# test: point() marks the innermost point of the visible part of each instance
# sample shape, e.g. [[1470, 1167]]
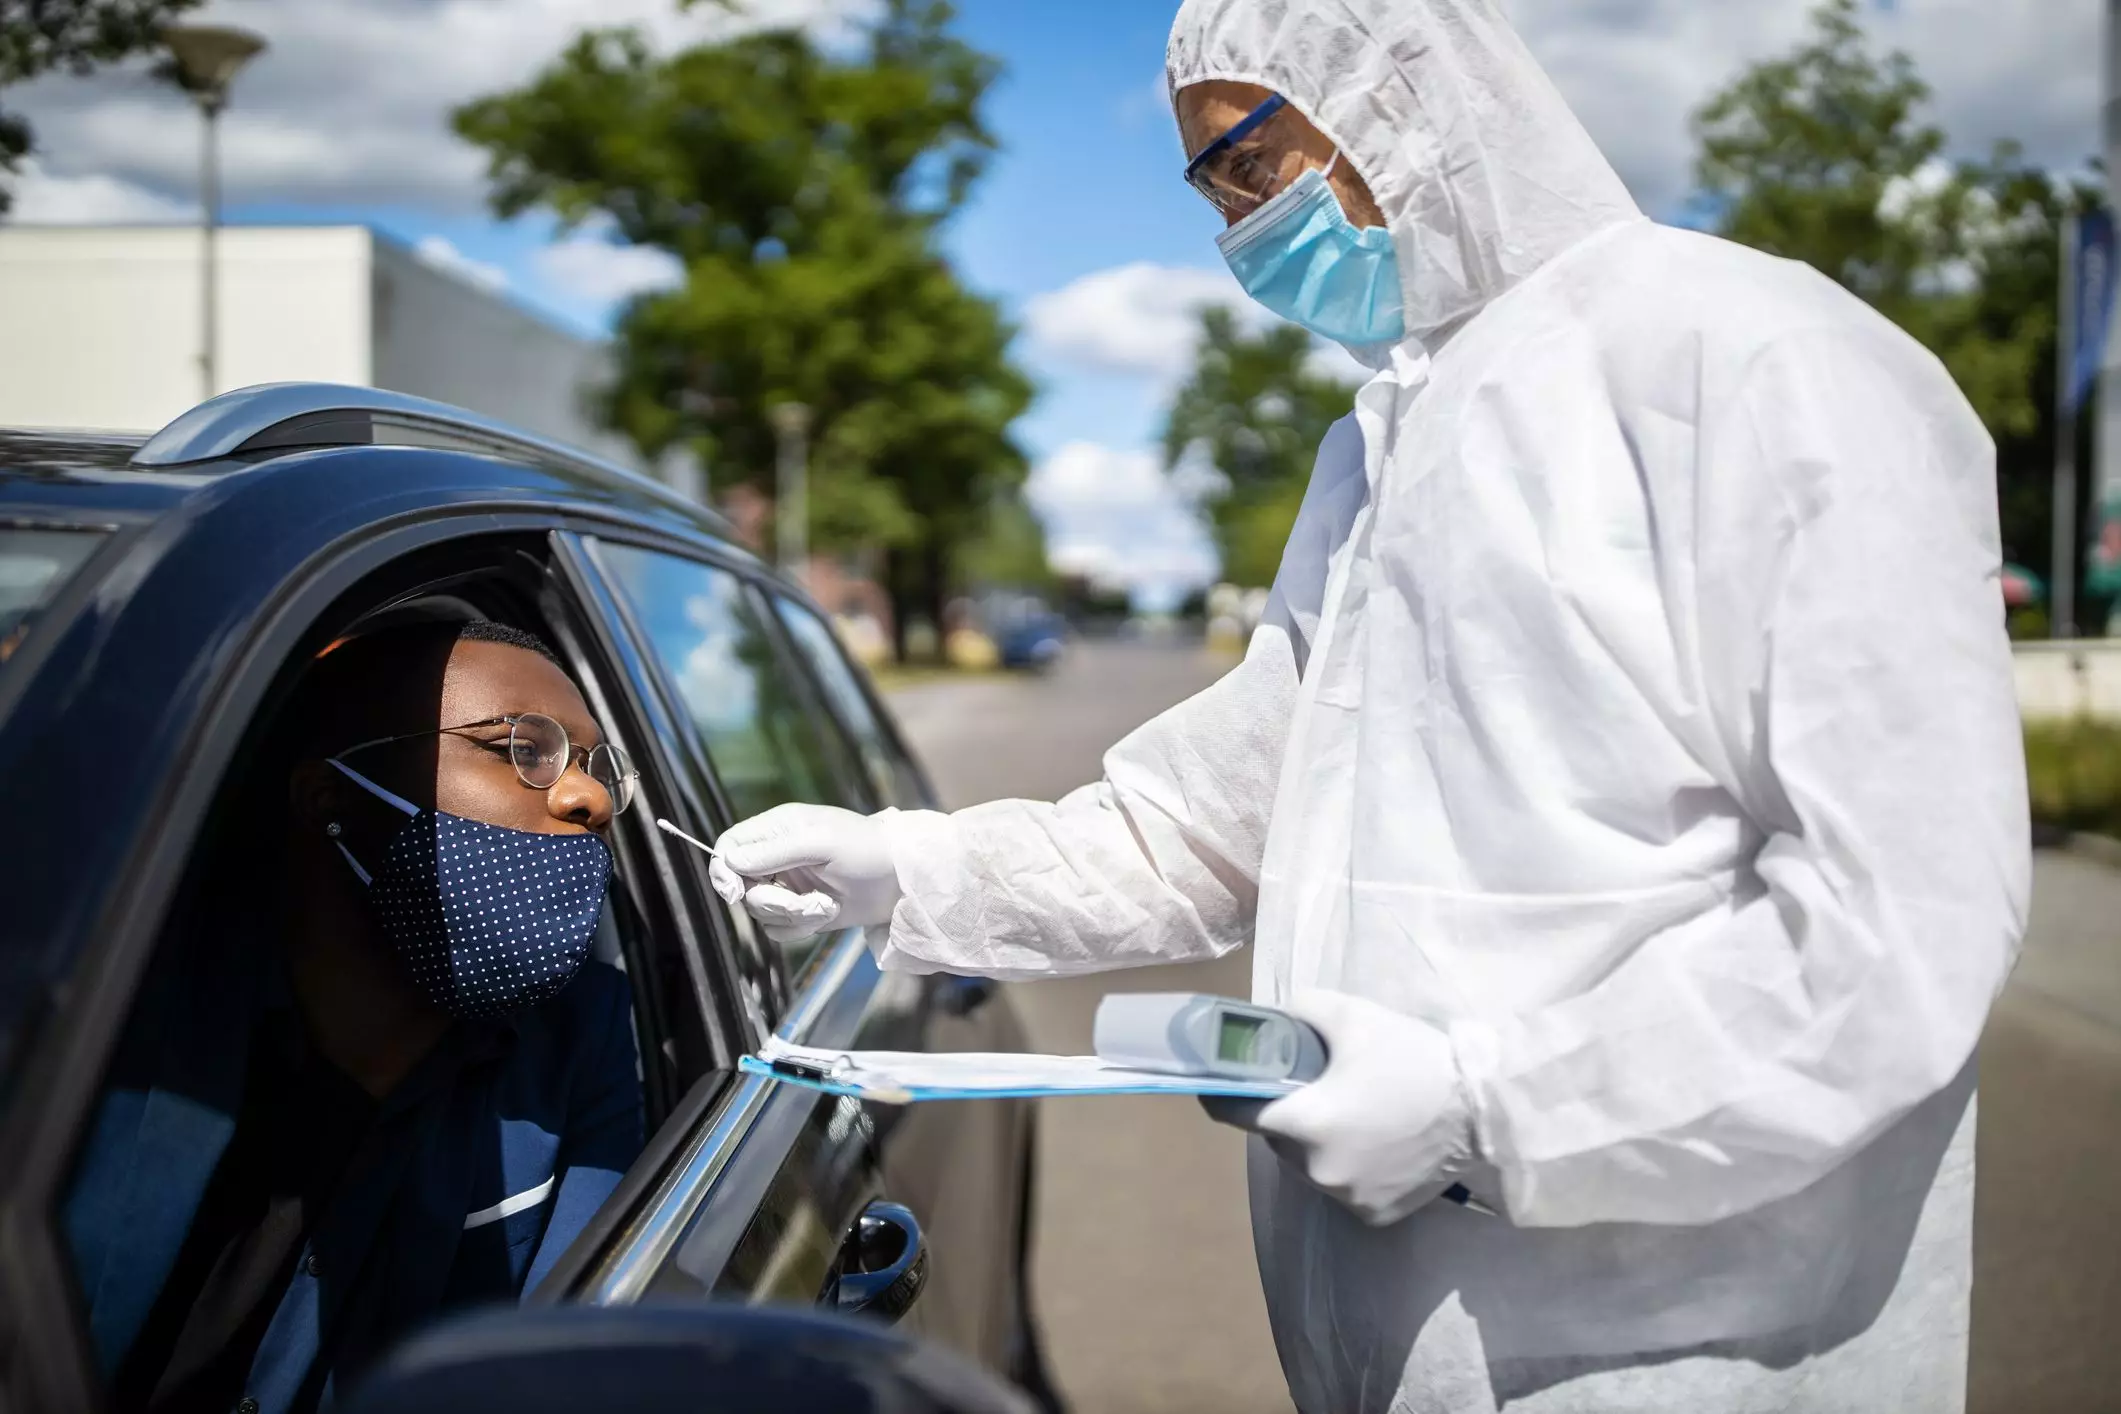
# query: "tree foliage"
[[1255, 411], [70, 36], [802, 189], [1008, 548], [1826, 155]]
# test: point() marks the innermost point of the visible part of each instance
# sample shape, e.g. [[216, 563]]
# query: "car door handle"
[[882, 1266]]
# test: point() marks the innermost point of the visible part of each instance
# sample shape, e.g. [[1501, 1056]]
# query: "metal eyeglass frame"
[[1242, 129], [622, 791]]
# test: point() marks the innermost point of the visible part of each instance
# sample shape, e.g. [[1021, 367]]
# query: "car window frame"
[[847, 778], [712, 958], [640, 1226], [62, 1078]]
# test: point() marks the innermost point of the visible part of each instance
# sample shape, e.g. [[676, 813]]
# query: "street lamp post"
[[208, 58], [791, 519]]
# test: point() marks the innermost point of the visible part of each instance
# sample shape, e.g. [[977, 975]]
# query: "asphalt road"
[[1144, 1269]]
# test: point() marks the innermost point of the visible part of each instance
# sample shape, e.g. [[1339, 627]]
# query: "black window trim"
[[716, 985], [710, 815], [745, 571]]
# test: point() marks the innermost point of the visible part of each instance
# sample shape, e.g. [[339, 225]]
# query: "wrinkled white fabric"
[[1633, 709], [1387, 1128], [1481, 170]]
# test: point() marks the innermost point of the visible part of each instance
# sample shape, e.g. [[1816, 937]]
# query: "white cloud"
[[1635, 71], [720, 689], [1149, 102], [442, 253], [1114, 516], [588, 266], [93, 199], [351, 103], [1141, 318]]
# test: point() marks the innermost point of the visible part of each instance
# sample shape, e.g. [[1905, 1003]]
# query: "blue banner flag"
[[2096, 281]]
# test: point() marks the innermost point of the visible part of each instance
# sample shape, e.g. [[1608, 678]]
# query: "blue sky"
[[1082, 229]]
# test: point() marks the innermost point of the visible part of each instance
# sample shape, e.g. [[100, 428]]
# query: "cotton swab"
[[669, 829]]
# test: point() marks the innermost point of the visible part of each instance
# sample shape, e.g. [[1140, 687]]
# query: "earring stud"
[[332, 829]]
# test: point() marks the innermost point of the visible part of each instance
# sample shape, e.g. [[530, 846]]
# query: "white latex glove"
[[1387, 1128], [801, 870]]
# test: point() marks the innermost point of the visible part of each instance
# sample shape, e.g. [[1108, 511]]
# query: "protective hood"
[[1482, 171]]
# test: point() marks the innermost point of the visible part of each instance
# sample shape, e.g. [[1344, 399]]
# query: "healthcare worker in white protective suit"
[[1626, 779]]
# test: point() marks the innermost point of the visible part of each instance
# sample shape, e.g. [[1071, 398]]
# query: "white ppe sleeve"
[[1158, 862], [1850, 627]]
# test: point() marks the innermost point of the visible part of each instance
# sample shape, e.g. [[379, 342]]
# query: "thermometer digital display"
[[1187, 1033]]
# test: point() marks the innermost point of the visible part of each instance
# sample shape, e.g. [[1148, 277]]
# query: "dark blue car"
[[1027, 633], [157, 601]]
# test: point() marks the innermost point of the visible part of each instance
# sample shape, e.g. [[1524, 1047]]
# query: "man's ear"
[[316, 797]]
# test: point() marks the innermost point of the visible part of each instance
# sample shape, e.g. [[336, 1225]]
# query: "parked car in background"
[[1027, 632], [159, 598]]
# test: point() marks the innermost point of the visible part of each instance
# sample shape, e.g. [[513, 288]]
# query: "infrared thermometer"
[[1188, 1033]]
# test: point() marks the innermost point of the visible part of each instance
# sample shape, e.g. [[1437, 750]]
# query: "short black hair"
[[372, 684], [494, 631]]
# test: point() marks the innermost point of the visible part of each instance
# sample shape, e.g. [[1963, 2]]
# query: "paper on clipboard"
[[909, 1077]]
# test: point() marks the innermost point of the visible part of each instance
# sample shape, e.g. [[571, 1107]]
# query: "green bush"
[[2074, 770]]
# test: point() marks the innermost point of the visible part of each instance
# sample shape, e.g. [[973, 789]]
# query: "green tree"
[[1826, 155], [802, 189], [1008, 549], [72, 36], [1254, 411]]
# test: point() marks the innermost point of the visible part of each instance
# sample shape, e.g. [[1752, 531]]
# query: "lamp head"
[[208, 58]]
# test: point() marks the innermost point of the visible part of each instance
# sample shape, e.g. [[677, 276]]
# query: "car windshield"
[[34, 566]]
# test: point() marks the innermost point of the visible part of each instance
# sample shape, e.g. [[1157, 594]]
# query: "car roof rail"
[[289, 416]]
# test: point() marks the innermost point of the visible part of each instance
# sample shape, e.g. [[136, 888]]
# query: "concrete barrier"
[[2070, 678]]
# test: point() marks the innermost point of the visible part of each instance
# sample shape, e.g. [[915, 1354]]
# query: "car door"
[[764, 1199], [941, 1158], [109, 1041]]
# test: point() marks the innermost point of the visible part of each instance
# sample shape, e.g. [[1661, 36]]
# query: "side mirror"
[[675, 1359]]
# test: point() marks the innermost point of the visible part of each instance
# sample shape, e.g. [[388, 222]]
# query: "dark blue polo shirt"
[[250, 1228]]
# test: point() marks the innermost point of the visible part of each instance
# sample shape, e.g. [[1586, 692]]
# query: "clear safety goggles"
[[1252, 163]]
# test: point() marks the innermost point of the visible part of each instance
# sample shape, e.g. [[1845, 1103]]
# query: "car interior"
[[680, 996]]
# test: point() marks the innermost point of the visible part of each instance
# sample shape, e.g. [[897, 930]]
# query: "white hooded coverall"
[[1634, 708]]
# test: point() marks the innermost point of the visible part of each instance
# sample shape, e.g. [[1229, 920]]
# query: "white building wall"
[[99, 329], [99, 326], [439, 337]]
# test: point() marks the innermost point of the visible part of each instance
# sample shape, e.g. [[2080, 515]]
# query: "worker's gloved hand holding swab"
[[801, 870]]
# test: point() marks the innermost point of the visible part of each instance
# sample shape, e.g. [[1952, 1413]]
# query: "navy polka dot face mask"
[[490, 920]]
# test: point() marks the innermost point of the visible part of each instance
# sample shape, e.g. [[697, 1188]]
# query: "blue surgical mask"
[[1301, 257], [490, 920]]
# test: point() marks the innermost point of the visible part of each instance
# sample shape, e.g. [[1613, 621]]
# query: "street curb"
[[2100, 849]]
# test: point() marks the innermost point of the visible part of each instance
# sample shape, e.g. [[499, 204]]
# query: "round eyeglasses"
[[539, 749]]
